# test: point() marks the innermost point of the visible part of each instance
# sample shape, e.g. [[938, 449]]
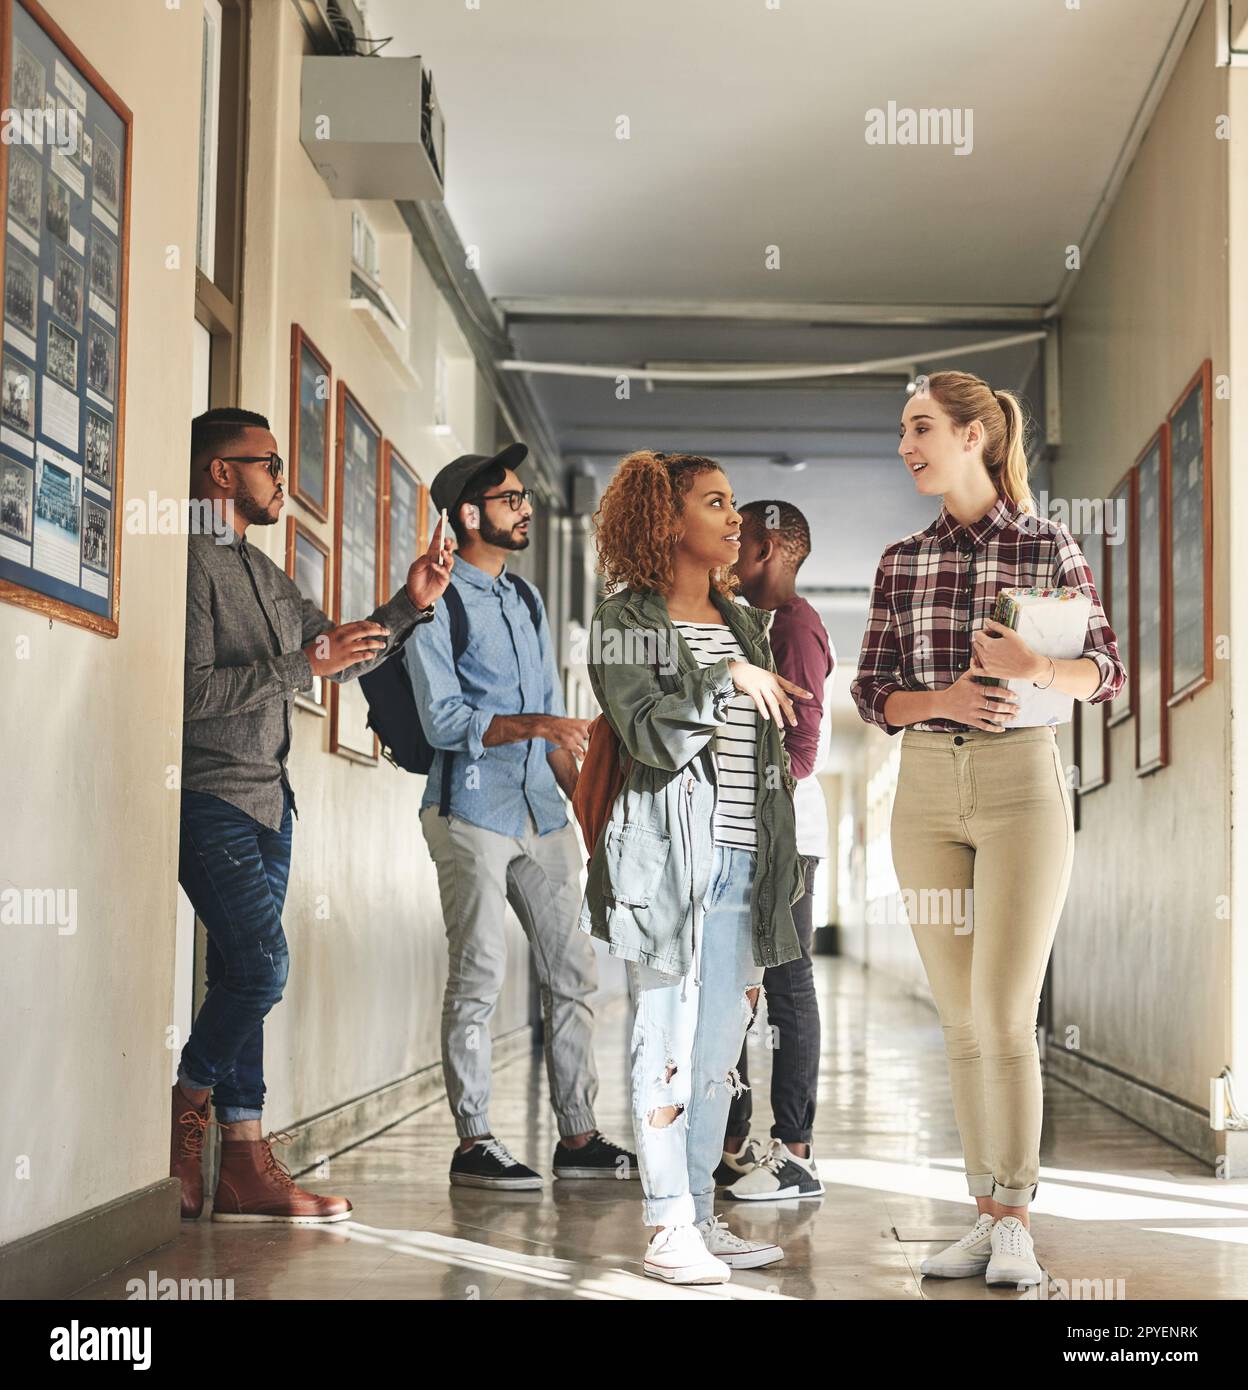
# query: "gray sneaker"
[[964, 1257]]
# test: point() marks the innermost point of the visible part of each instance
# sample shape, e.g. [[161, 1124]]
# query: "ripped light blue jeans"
[[687, 1035]]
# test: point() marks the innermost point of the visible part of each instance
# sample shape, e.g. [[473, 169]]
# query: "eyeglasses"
[[273, 461], [516, 500]]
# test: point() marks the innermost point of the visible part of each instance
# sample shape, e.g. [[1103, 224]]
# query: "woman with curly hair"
[[693, 877]]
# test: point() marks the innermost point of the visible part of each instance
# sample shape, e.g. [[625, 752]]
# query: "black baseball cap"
[[453, 481]]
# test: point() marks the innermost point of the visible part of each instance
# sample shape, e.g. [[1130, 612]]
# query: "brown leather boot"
[[255, 1185], [188, 1129]]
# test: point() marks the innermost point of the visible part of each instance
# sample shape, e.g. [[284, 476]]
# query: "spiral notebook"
[[1053, 622]]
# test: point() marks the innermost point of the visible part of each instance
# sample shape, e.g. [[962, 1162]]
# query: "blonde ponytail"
[[1011, 480], [965, 398]]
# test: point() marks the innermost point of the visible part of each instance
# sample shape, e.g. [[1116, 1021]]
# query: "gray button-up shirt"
[[246, 627]]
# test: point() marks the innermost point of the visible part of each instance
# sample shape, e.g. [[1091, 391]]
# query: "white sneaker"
[[965, 1257], [1013, 1255], [735, 1252], [679, 1255], [781, 1174]]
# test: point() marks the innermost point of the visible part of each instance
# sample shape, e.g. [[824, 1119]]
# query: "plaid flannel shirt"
[[935, 588]]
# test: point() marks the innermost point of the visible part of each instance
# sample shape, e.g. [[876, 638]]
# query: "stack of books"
[[1053, 622]]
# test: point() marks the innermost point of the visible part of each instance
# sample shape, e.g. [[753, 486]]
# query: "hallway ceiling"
[[747, 130]]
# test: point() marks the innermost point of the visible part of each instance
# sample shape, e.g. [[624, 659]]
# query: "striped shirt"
[[735, 744]]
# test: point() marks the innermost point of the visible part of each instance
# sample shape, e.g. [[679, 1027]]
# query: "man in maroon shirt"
[[775, 539]]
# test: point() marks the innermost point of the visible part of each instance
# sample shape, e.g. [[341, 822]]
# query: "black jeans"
[[793, 1016]]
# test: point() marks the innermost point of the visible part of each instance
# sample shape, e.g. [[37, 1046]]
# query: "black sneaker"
[[488, 1164], [597, 1158]]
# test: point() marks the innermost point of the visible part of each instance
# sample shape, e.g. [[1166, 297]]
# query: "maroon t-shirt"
[[800, 646]]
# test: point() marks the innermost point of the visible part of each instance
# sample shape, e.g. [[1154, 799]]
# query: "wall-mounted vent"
[[372, 127]]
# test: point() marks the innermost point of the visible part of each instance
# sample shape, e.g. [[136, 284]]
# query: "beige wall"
[[1236, 504], [363, 1002], [91, 724], [1141, 960], [93, 727]]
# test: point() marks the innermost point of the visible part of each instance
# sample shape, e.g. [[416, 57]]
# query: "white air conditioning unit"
[[372, 126]]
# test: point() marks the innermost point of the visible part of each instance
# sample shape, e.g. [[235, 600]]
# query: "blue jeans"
[[234, 870], [687, 1035]]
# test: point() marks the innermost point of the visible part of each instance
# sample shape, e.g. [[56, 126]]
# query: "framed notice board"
[[429, 518], [357, 561], [307, 563], [65, 181], [310, 400], [401, 510], [1091, 732], [1151, 610], [1118, 596], [1189, 551]]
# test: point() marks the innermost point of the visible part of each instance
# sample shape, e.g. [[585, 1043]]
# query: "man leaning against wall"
[[252, 643]]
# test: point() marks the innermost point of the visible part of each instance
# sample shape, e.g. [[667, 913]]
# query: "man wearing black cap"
[[498, 830]]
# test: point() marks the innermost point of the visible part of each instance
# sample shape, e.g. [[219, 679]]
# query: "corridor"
[[1120, 1214], [510, 505]]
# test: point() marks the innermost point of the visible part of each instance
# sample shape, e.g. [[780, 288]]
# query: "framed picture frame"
[[1091, 732], [1189, 539], [429, 521], [401, 520], [1118, 595], [1150, 609], [311, 395], [308, 564], [358, 543], [63, 383]]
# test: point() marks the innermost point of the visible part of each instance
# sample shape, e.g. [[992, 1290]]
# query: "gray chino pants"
[[479, 872]]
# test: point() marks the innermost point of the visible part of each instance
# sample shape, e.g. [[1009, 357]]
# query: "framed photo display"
[[1150, 610], [1091, 731], [401, 511], [357, 561], [1118, 595], [1189, 548], [65, 180], [307, 563], [429, 521], [310, 399]]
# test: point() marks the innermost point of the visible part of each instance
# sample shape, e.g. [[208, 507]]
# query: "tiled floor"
[[1115, 1202]]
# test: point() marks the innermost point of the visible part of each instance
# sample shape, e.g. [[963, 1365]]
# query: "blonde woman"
[[982, 817]]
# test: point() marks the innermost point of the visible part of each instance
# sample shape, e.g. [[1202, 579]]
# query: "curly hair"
[[637, 525]]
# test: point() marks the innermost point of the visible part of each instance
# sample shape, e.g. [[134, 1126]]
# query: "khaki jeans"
[[983, 840], [479, 872]]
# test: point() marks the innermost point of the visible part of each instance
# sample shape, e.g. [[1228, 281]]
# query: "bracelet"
[[1052, 675]]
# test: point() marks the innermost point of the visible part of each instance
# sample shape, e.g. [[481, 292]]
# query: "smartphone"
[[442, 531]]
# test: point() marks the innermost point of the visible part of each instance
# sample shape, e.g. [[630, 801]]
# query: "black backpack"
[[392, 712]]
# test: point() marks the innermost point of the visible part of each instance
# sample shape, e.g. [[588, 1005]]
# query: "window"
[[222, 151]]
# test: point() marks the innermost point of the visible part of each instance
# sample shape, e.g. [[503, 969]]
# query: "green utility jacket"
[[649, 871]]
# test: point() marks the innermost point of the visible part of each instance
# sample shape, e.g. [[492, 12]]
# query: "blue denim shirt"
[[507, 668]]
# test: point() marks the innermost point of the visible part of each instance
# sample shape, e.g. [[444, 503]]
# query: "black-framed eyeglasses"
[[276, 467], [515, 500]]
